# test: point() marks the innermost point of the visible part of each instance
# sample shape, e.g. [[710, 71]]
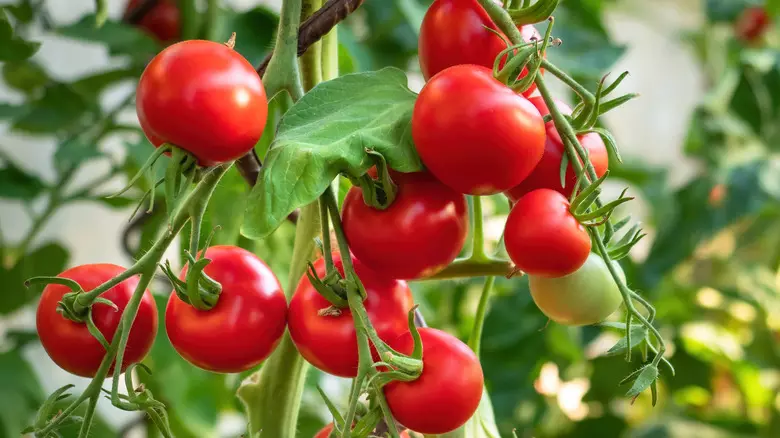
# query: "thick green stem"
[[282, 72], [502, 20], [212, 17], [478, 233], [86, 425], [272, 396], [475, 340], [330, 55], [311, 61]]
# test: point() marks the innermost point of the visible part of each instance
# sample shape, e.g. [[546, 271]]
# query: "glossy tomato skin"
[[587, 296], [419, 234], [245, 325], [455, 32], [325, 432], [448, 391], [474, 134], [329, 342], [547, 174], [543, 238], [204, 98], [70, 345], [162, 21], [752, 24]]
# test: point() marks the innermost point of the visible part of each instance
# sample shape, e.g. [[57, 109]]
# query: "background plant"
[[711, 268]]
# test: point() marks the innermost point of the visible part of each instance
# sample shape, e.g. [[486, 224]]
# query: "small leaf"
[[654, 392], [121, 39], [14, 48], [59, 108], [16, 184], [75, 151], [643, 380], [25, 76], [49, 259], [9, 111], [91, 86], [638, 334], [327, 133]]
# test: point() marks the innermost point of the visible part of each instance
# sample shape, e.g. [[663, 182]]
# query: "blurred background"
[[701, 153]]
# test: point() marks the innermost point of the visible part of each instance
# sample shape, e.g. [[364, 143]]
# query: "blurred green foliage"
[[711, 270]]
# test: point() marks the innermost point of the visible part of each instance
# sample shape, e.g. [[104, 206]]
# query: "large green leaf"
[[60, 108], [25, 76], [20, 394], [49, 259], [12, 47], [326, 133]]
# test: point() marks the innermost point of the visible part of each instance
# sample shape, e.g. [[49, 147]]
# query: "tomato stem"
[[478, 234], [311, 61], [283, 72], [475, 339]]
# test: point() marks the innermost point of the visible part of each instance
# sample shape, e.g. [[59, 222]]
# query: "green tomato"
[[587, 296]]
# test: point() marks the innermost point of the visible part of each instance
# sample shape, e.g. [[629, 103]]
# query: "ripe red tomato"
[[752, 24], [421, 232], [543, 238], [547, 174], [587, 296], [161, 21], [204, 98], [325, 432], [245, 325], [474, 134], [69, 343], [455, 32], [329, 342], [448, 391]]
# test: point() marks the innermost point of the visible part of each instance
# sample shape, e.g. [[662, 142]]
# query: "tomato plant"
[[447, 392], [215, 120], [547, 174], [287, 123], [327, 340], [476, 149], [244, 326], [70, 344], [162, 21], [543, 237], [587, 296], [418, 235], [456, 32], [325, 432]]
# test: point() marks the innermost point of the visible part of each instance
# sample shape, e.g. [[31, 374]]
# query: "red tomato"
[[244, 326], [455, 32], [543, 238], [329, 342], [448, 391], [325, 432], [161, 21], [421, 232], [69, 343], [547, 174], [474, 134], [752, 24], [204, 98]]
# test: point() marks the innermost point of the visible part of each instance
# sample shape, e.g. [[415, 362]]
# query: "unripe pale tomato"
[[448, 391], [161, 21], [543, 238], [587, 296], [245, 325], [203, 97], [69, 343], [547, 174], [419, 234], [475, 134], [455, 32], [329, 342]]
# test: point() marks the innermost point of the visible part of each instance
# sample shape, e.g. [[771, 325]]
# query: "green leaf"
[[16, 184], [726, 10], [255, 30], [121, 39], [20, 394], [9, 111], [638, 334], [49, 259], [117, 201], [13, 48], [25, 76], [643, 380], [60, 108], [773, 7], [91, 86], [22, 11], [327, 133], [76, 150]]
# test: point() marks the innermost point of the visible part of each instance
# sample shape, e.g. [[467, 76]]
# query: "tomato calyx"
[[197, 289], [380, 191], [519, 58], [534, 13], [332, 287], [594, 217]]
